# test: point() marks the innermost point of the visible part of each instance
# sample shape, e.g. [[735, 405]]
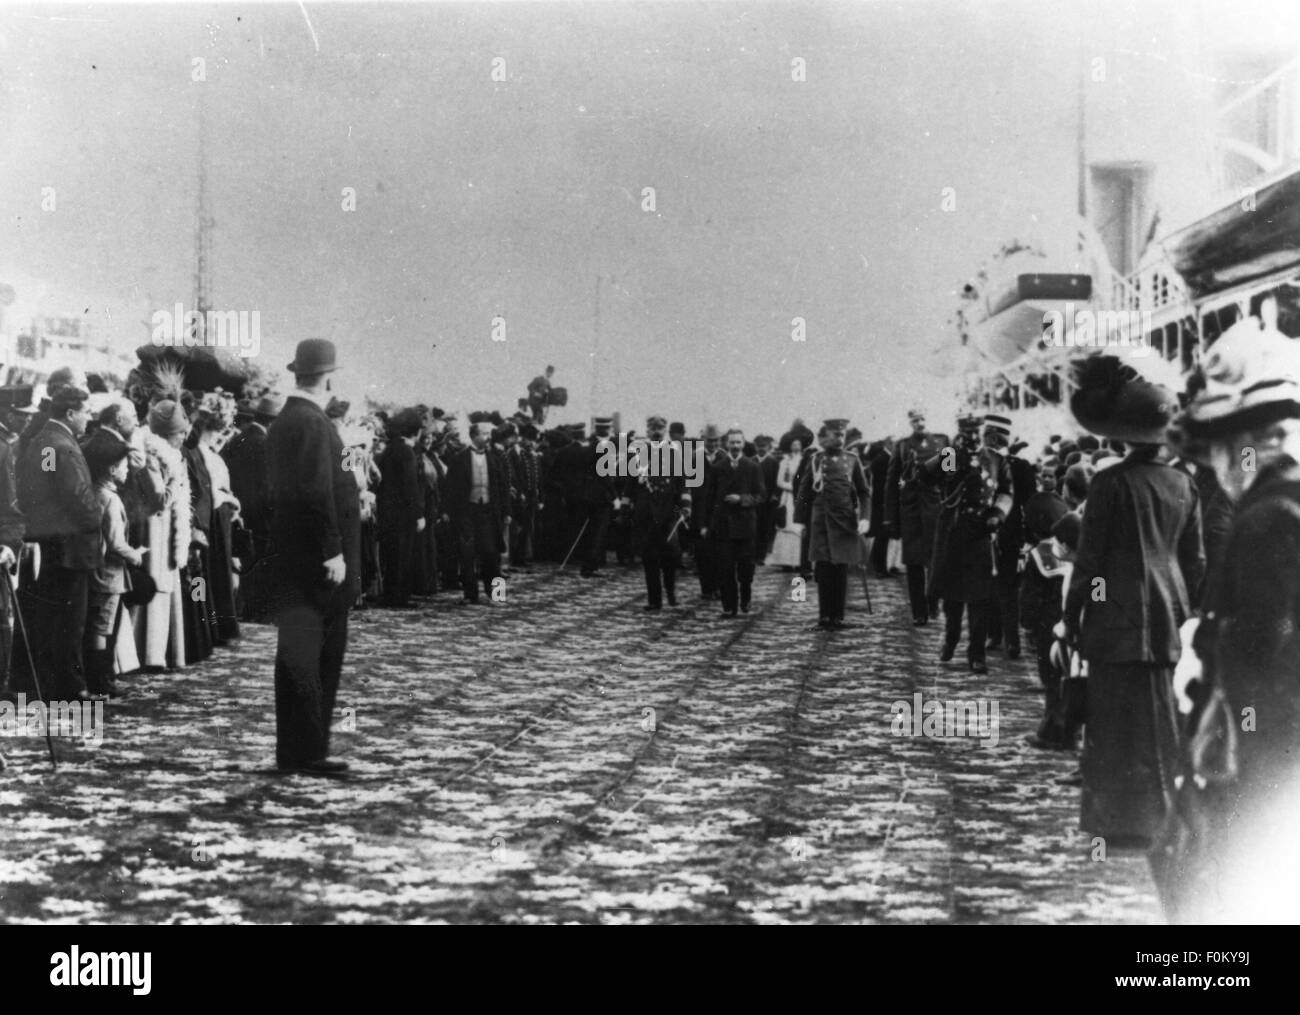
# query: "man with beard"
[[912, 509], [735, 493], [976, 498], [834, 488], [661, 504]]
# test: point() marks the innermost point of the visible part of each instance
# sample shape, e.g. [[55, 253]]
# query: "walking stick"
[[866, 590], [575, 543], [31, 662], [993, 553]]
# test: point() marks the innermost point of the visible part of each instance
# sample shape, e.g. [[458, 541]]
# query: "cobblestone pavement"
[[566, 756]]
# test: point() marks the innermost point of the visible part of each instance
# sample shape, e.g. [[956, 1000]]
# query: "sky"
[[524, 199]]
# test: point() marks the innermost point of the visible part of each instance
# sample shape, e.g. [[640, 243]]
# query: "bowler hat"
[[314, 356]]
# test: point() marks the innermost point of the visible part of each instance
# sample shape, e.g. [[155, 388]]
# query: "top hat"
[[314, 356], [676, 429], [17, 397]]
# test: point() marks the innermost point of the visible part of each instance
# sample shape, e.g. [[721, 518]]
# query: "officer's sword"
[[575, 543]]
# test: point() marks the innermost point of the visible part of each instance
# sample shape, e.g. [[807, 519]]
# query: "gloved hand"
[[864, 526]]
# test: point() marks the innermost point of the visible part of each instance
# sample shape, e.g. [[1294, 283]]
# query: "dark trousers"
[[521, 536], [706, 564], [880, 554], [736, 572], [922, 605], [979, 626], [308, 663], [592, 549], [476, 530], [659, 561], [1004, 613], [54, 610], [396, 564], [832, 589]]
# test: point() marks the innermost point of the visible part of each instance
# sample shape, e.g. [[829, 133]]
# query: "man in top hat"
[[661, 504], [838, 501], [735, 494], [976, 499], [15, 407], [316, 562], [478, 501], [539, 394], [245, 456], [912, 509], [63, 517]]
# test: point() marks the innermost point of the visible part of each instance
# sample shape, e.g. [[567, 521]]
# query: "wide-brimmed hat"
[[405, 423], [1112, 399], [1249, 378], [314, 356]]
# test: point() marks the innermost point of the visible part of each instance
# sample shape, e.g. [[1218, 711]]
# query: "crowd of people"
[[145, 526]]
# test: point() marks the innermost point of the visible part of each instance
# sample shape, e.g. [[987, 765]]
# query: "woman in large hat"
[[1139, 569], [1243, 421], [159, 624]]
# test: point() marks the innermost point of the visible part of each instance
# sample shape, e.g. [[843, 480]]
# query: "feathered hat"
[[1128, 399]]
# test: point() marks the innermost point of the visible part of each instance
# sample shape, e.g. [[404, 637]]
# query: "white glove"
[[864, 525]]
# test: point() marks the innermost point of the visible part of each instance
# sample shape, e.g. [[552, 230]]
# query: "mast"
[[203, 232]]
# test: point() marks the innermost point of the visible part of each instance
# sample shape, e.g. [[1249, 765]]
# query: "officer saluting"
[[835, 487], [977, 497]]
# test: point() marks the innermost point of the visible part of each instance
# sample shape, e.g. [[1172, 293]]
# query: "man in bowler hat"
[[316, 554]]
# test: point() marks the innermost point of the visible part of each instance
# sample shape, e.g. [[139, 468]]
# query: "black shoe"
[[894, 572], [470, 602], [672, 598], [1013, 652], [326, 768], [993, 645], [652, 606], [978, 666], [728, 614], [920, 621], [825, 624], [946, 653]]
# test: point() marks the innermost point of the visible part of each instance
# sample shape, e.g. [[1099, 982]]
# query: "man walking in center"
[[735, 493], [316, 562]]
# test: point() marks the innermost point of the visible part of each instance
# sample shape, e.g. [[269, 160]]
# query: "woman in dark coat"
[[1139, 568], [1244, 425], [196, 578], [399, 509]]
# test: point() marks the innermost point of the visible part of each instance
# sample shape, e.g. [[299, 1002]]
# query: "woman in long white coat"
[[159, 626]]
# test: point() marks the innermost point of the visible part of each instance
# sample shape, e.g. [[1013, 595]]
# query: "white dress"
[[159, 626], [786, 546]]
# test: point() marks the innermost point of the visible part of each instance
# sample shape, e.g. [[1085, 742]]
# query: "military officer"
[[912, 509], [834, 490], [976, 492], [661, 507]]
